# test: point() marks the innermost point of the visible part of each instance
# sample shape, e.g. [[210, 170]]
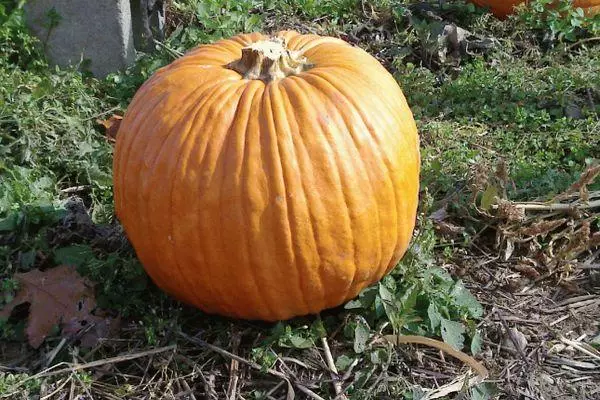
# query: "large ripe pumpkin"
[[503, 8], [266, 178]]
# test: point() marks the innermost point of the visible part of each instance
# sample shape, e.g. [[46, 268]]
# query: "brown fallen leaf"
[[541, 228], [515, 340], [581, 186], [595, 239], [56, 296], [570, 286], [446, 228], [527, 270], [439, 214], [507, 210], [91, 329], [111, 126]]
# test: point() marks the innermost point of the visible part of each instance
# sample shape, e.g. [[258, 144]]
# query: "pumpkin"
[[503, 8], [266, 177]]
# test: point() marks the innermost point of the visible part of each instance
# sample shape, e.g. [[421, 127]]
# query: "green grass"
[[514, 111], [508, 104]]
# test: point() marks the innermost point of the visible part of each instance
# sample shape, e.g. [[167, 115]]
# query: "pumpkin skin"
[[262, 199], [503, 8]]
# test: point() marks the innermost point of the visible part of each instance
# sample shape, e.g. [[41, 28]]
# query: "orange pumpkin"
[[503, 8], [267, 178]]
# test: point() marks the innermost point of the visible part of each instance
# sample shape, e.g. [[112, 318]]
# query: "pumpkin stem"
[[269, 60]]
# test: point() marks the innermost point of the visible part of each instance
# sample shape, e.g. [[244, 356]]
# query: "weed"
[[535, 108], [10, 382], [418, 298], [512, 110], [336, 11], [17, 47], [559, 20]]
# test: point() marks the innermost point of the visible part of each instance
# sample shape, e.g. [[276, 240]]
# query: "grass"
[[532, 101]]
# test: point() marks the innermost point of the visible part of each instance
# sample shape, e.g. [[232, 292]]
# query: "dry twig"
[[337, 384]]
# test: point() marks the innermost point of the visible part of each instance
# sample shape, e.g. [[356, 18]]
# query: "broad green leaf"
[[453, 333], [435, 318], [76, 255], [385, 293], [596, 341], [390, 306], [409, 298], [464, 298], [418, 393], [362, 377], [202, 11], [317, 329], [9, 223], [85, 148], [300, 342], [476, 343], [343, 362], [483, 391], [380, 308], [353, 305], [361, 336], [365, 299], [41, 185], [379, 356], [28, 259], [489, 197]]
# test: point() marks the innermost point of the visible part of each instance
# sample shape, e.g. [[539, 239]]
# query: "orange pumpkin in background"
[[267, 178], [503, 8]]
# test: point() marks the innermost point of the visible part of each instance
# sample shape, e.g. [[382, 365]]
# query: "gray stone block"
[[96, 34], [148, 21]]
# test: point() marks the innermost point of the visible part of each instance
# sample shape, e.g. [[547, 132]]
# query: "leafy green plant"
[[510, 108], [560, 20], [533, 107], [17, 47], [48, 127], [335, 10], [420, 299], [11, 384]]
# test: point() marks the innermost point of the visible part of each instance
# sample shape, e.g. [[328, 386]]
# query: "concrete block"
[[148, 21], [97, 32]]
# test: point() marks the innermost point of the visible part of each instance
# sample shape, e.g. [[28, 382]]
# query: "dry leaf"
[[478, 179], [510, 247], [510, 212], [502, 173], [515, 340], [111, 127], [595, 239], [527, 270], [512, 285], [446, 228], [541, 228], [91, 329], [569, 286], [586, 179], [56, 296], [579, 241], [439, 214], [451, 42]]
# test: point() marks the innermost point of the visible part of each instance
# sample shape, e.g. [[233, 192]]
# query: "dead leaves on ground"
[[111, 127], [541, 238], [60, 296]]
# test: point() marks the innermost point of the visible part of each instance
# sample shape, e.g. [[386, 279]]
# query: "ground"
[[503, 266]]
